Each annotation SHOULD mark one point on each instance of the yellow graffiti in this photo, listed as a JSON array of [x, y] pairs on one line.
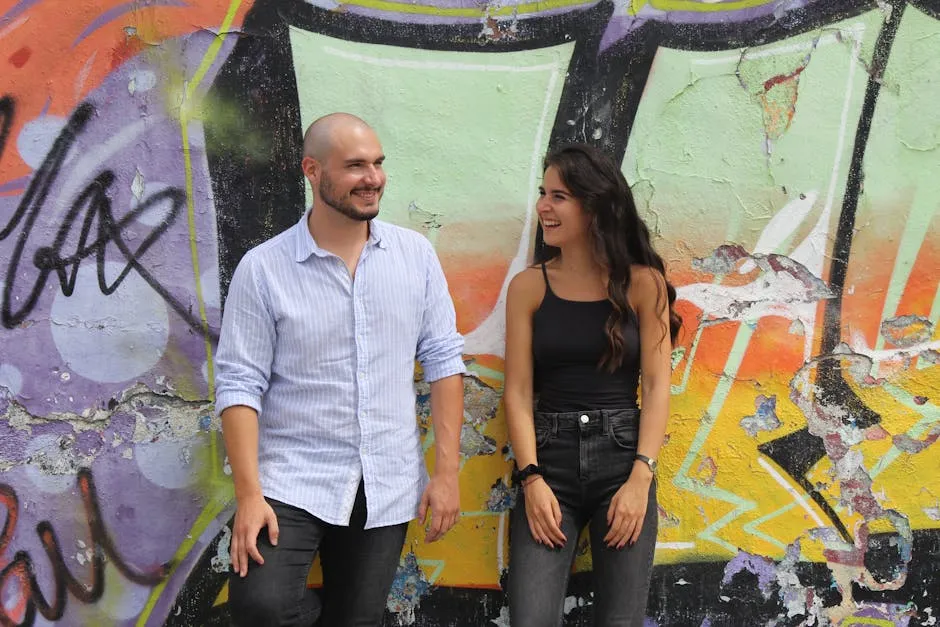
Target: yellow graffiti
[[479, 13], [222, 489], [695, 5], [529, 8], [864, 620]]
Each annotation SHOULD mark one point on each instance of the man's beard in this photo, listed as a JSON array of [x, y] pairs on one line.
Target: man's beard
[[344, 204]]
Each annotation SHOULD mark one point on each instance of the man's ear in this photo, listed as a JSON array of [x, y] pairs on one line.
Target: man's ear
[[311, 167]]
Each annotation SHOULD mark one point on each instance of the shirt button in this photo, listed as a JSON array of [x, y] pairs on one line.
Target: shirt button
[[584, 419]]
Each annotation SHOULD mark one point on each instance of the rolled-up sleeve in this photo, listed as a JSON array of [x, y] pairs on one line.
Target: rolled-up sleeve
[[246, 342], [440, 346]]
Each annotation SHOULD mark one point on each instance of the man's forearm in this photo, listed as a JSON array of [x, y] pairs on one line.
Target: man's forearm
[[240, 432], [447, 417]]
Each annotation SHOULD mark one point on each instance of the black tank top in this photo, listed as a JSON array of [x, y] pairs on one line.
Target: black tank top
[[568, 342]]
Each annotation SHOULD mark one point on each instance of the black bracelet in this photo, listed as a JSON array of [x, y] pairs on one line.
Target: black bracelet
[[518, 476]]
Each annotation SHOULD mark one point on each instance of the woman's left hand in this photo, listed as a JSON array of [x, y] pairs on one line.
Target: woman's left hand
[[628, 510]]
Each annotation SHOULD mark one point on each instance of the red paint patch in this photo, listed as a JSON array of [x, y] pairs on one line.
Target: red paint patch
[[773, 81], [127, 49], [19, 58]]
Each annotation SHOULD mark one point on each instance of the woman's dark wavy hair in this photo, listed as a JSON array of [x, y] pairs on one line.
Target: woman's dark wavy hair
[[621, 238]]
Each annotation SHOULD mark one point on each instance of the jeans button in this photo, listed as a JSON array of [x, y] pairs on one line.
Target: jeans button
[[584, 419]]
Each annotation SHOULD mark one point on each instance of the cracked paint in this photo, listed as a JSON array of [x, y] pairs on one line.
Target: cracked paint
[[778, 94]]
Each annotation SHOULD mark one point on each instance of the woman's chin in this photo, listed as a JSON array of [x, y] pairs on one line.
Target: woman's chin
[[552, 239]]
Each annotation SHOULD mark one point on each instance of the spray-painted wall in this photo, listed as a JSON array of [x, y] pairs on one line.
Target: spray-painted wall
[[785, 153]]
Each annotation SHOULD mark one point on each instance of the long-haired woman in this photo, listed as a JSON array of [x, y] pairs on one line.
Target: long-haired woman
[[591, 316]]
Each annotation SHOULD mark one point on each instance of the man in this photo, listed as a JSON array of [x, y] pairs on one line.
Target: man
[[315, 373]]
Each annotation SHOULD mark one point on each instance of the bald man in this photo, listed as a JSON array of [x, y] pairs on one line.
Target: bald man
[[315, 386]]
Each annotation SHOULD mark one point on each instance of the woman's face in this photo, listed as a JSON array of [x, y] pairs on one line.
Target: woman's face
[[564, 220]]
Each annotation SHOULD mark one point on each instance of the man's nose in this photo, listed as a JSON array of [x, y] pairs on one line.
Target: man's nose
[[374, 176]]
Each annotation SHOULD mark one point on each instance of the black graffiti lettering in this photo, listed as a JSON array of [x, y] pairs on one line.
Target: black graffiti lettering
[[21, 571], [6, 120], [91, 213]]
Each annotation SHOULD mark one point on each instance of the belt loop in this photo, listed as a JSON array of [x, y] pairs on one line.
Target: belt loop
[[554, 424], [605, 420]]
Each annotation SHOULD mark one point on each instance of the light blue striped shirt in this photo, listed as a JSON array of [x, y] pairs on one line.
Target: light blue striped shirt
[[328, 364]]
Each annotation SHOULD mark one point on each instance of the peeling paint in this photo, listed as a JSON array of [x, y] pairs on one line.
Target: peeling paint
[[222, 560], [706, 471], [782, 152], [409, 586], [778, 94], [764, 418], [907, 331], [472, 442], [781, 283], [758, 565], [502, 498], [913, 446]]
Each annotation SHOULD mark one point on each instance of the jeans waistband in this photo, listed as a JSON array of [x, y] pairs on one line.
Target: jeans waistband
[[589, 420]]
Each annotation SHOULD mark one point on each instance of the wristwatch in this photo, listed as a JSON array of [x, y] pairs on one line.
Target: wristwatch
[[518, 476], [648, 461]]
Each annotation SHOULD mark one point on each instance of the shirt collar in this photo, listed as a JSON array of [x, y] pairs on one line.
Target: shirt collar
[[305, 245]]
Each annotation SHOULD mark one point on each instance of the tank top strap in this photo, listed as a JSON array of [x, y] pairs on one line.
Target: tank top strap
[[548, 286]]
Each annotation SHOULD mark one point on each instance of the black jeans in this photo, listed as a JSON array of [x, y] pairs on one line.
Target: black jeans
[[587, 456], [359, 567]]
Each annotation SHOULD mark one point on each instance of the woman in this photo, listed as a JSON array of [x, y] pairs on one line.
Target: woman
[[582, 323]]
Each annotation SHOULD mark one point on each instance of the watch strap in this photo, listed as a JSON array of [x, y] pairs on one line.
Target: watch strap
[[520, 475], [647, 460]]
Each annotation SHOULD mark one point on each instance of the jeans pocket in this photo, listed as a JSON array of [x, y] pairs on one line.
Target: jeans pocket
[[543, 433], [623, 435]]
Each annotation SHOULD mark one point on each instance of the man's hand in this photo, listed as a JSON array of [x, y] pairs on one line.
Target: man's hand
[[442, 496], [252, 514]]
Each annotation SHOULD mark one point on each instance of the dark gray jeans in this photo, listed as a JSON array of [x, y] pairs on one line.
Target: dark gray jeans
[[359, 566], [586, 462]]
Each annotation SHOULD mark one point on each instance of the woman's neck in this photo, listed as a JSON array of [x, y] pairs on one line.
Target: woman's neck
[[579, 259]]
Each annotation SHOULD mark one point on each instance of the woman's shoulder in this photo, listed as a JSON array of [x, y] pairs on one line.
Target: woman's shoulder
[[528, 285], [647, 288], [646, 278]]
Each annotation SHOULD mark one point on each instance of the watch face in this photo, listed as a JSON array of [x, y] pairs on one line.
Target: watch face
[[648, 461]]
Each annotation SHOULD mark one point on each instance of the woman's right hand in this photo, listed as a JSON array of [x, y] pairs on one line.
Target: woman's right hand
[[543, 513]]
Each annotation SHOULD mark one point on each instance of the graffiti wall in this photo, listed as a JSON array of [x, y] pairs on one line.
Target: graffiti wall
[[784, 152]]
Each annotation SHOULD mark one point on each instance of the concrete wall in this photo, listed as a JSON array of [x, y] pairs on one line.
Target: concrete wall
[[784, 152]]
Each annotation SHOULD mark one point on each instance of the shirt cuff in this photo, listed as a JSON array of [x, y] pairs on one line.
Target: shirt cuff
[[225, 400], [443, 369]]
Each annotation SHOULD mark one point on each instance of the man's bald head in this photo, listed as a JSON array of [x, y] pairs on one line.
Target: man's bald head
[[343, 162], [321, 135]]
